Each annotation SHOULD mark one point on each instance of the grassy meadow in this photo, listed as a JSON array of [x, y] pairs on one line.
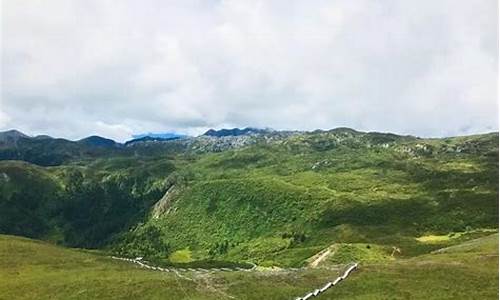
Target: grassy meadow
[[31, 269]]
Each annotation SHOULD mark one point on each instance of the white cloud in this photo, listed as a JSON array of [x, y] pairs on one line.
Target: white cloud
[[4, 118], [116, 131], [426, 68]]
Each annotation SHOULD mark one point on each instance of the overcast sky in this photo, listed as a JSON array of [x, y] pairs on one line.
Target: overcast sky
[[73, 68]]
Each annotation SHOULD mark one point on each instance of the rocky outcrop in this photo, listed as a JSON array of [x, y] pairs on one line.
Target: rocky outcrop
[[164, 205]]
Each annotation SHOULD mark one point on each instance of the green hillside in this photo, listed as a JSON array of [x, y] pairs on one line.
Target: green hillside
[[32, 269], [277, 204], [81, 205]]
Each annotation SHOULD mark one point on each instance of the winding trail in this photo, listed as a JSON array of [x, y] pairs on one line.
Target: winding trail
[[309, 295], [143, 264], [328, 285]]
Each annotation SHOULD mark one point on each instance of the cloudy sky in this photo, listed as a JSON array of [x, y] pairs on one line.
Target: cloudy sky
[[73, 68]]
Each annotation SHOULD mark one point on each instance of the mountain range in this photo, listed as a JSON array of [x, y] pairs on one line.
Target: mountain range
[[276, 199]]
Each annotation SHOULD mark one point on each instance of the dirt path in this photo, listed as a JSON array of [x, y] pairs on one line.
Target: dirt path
[[321, 256], [330, 284], [317, 259], [144, 264]]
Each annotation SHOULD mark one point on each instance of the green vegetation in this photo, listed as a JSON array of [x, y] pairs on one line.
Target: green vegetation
[[266, 202], [469, 272], [446, 237], [36, 270], [363, 253], [273, 202], [273, 199], [181, 256], [81, 206]]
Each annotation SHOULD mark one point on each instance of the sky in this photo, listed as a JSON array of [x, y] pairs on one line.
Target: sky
[[74, 68]]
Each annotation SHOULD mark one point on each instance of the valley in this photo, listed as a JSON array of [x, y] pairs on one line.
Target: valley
[[420, 216]]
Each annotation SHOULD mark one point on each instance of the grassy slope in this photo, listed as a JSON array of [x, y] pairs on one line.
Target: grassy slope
[[466, 271], [50, 204], [35, 270], [27, 192], [263, 195]]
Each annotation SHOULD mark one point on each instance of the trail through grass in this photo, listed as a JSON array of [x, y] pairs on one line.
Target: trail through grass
[[36, 270]]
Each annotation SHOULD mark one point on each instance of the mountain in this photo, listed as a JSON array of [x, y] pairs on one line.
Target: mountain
[[283, 190], [148, 139], [235, 132], [47, 151], [275, 199], [12, 134], [164, 135], [43, 137], [10, 137], [98, 141]]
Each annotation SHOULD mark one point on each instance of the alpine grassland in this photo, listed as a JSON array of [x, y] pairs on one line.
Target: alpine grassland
[[30, 269]]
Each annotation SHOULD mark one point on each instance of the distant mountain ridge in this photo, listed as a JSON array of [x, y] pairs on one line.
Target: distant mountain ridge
[[235, 132], [98, 141], [146, 139], [161, 135], [49, 151], [11, 136]]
